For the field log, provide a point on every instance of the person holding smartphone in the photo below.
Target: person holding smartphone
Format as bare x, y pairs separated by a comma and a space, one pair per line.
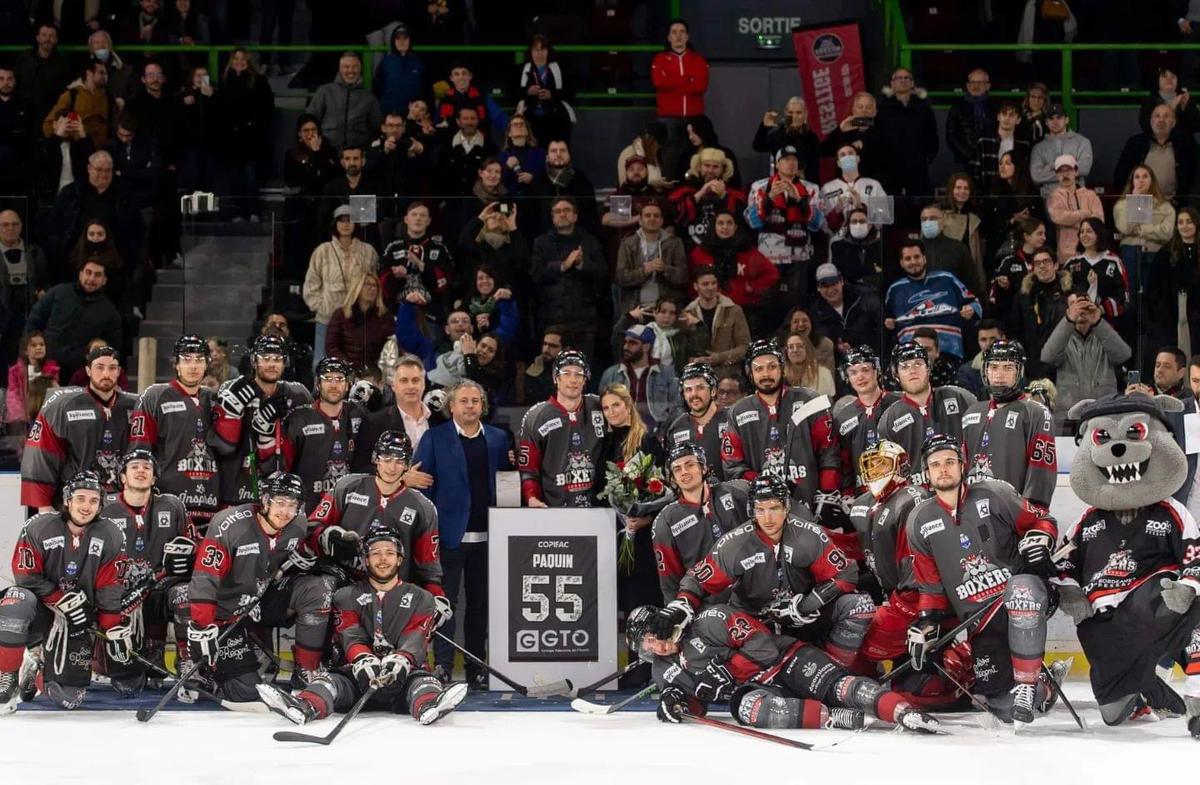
1084, 348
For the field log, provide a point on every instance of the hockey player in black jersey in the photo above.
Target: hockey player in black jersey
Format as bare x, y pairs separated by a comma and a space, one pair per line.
704, 422
856, 417
383, 624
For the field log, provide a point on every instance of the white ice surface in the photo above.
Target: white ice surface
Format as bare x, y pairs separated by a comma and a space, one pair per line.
532, 748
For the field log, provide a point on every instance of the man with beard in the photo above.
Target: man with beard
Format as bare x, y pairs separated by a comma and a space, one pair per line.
66, 570
922, 410
317, 441
539, 374
857, 416
562, 180
246, 421
78, 429
934, 299
355, 182
697, 202
172, 420
637, 187
651, 384
705, 421
571, 273
385, 649
159, 552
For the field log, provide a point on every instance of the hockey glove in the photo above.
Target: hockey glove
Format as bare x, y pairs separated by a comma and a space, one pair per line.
263, 421
831, 509
795, 610
1075, 603
672, 703
443, 610
921, 636
299, 560
394, 668
118, 643
366, 668
237, 395
1034, 550
714, 683
76, 612
178, 555
677, 615
202, 644
1177, 595
339, 544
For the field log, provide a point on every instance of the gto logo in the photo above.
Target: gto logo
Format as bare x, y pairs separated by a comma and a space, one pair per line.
534, 641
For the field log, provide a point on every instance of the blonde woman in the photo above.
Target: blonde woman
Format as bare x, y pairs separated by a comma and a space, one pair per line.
802, 369
360, 328
336, 266
960, 219
1140, 241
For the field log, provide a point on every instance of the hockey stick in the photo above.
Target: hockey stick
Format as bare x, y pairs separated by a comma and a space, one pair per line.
970, 696
288, 735
553, 689
618, 674
945, 640
1054, 685
754, 734
587, 707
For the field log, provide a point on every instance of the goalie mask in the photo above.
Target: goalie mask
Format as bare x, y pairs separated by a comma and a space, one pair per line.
882, 465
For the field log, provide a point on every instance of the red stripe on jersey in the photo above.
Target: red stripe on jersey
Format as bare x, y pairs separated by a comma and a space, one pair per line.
529, 457
203, 613
668, 561
356, 650
731, 448
228, 428
26, 560
10, 658
1031, 518
531, 489
710, 575
741, 667
345, 619
43, 437
925, 570
143, 430
417, 622
36, 494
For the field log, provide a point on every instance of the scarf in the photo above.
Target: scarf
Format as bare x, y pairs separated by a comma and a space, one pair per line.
560, 176
661, 350
979, 107
488, 195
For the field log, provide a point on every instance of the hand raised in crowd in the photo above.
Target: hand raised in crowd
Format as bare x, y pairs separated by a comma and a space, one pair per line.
770, 118
416, 298
466, 344
690, 319
638, 313
967, 312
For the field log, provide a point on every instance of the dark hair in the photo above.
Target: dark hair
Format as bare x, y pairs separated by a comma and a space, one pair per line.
1195, 361
128, 121
486, 162
29, 336
1180, 358
350, 53
925, 332
652, 203
1021, 183
306, 118
911, 243
539, 38
677, 21
459, 64
707, 269
990, 324
466, 108
350, 147
568, 200
666, 298
1103, 238
702, 124
950, 204
149, 63
1176, 244
90, 65
1008, 106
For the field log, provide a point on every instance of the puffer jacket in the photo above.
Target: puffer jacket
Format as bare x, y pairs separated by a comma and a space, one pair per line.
349, 114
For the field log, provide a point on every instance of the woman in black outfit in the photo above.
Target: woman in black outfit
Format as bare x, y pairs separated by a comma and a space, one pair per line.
306, 168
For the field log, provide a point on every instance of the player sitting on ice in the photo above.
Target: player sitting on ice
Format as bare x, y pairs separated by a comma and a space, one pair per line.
1131, 577
66, 567
384, 625
981, 546
770, 681
782, 567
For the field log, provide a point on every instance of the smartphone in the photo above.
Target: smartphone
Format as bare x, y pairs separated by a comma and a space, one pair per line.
505, 208
1133, 377
863, 122
207, 81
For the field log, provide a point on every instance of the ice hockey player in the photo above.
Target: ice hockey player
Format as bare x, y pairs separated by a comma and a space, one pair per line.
1009, 437
704, 421
782, 567
383, 624
172, 420
66, 566
359, 501
159, 552
554, 445
982, 546
1131, 578
254, 550
922, 410
770, 681
687, 528
856, 417
78, 429
317, 442
246, 416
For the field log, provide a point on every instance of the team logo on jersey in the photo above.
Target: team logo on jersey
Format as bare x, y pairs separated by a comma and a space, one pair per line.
1158, 528
247, 549
902, 422
683, 525
546, 428
313, 430
598, 424
360, 499
951, 406
984, 508
408, 515
579, 473
1021, 600
171, 407
964, 542
1010, 420
848, 425
1121, 565
164, 520
576, 440
746, 417
199, 463
727, 502
81, 414
406, 601
363, 599
981, 579
95, 546
933, 527
72, 568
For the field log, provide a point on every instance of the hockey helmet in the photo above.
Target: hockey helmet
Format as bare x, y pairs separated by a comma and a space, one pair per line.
758, 348
881, 465
393, 443
380, 532
284, 486
192, 344
683, 451
334, 365
571, 357
937, 442
138, 454
910, 350
1003, 350
698, 371
86, 480
859, 355
637, 624
768, 487
269, 345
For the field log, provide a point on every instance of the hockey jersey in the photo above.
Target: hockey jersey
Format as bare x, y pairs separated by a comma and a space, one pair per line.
907, 422
1104, 279
174, 426
381, 622
356, 504
236, 561
555, 452
1013, 443
147, 529
317, 447
794, 440
49, 561
881, 530
683, 533
684, 429
934, 301
857, 426
1111, 558
75, 431
240, 466
963, 558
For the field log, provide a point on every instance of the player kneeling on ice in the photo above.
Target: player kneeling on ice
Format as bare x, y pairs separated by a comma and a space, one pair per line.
1131, 577
384, 625
981, 546
247, 553
770, 681
67, 566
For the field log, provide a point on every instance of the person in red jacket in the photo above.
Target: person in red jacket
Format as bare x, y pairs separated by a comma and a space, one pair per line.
745, 275
680, 78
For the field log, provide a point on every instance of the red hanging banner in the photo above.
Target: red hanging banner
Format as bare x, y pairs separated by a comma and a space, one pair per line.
831, 72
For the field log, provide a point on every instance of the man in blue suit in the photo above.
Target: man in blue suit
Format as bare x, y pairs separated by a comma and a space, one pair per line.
463, 456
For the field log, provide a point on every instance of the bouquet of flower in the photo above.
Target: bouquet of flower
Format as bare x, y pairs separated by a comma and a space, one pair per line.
635, 489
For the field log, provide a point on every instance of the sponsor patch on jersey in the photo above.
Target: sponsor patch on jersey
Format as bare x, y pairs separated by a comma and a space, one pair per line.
291, 544
1010, 420
903, 421
933, 527
1158, 528
883, 517
698, 645
248, 548
170, 407
316, 429
406, 601
683, 525
360, 499
727, 502
52, 543
164, 520
95, 546
408, 515
681, 437
984, 508
750, 561
549, 426
848, 425
746, 417
1092, 532
971, 418
363, 599
788, 552
859, 510
81, 414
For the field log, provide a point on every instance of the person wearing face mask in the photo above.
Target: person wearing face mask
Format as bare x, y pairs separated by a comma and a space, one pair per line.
122, 79
849, 190
946, 253
857, 250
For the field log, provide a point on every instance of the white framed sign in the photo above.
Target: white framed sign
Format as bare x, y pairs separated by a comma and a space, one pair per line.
552, 595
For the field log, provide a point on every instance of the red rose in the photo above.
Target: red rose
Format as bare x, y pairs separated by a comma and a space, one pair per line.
655, 486
638, 482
